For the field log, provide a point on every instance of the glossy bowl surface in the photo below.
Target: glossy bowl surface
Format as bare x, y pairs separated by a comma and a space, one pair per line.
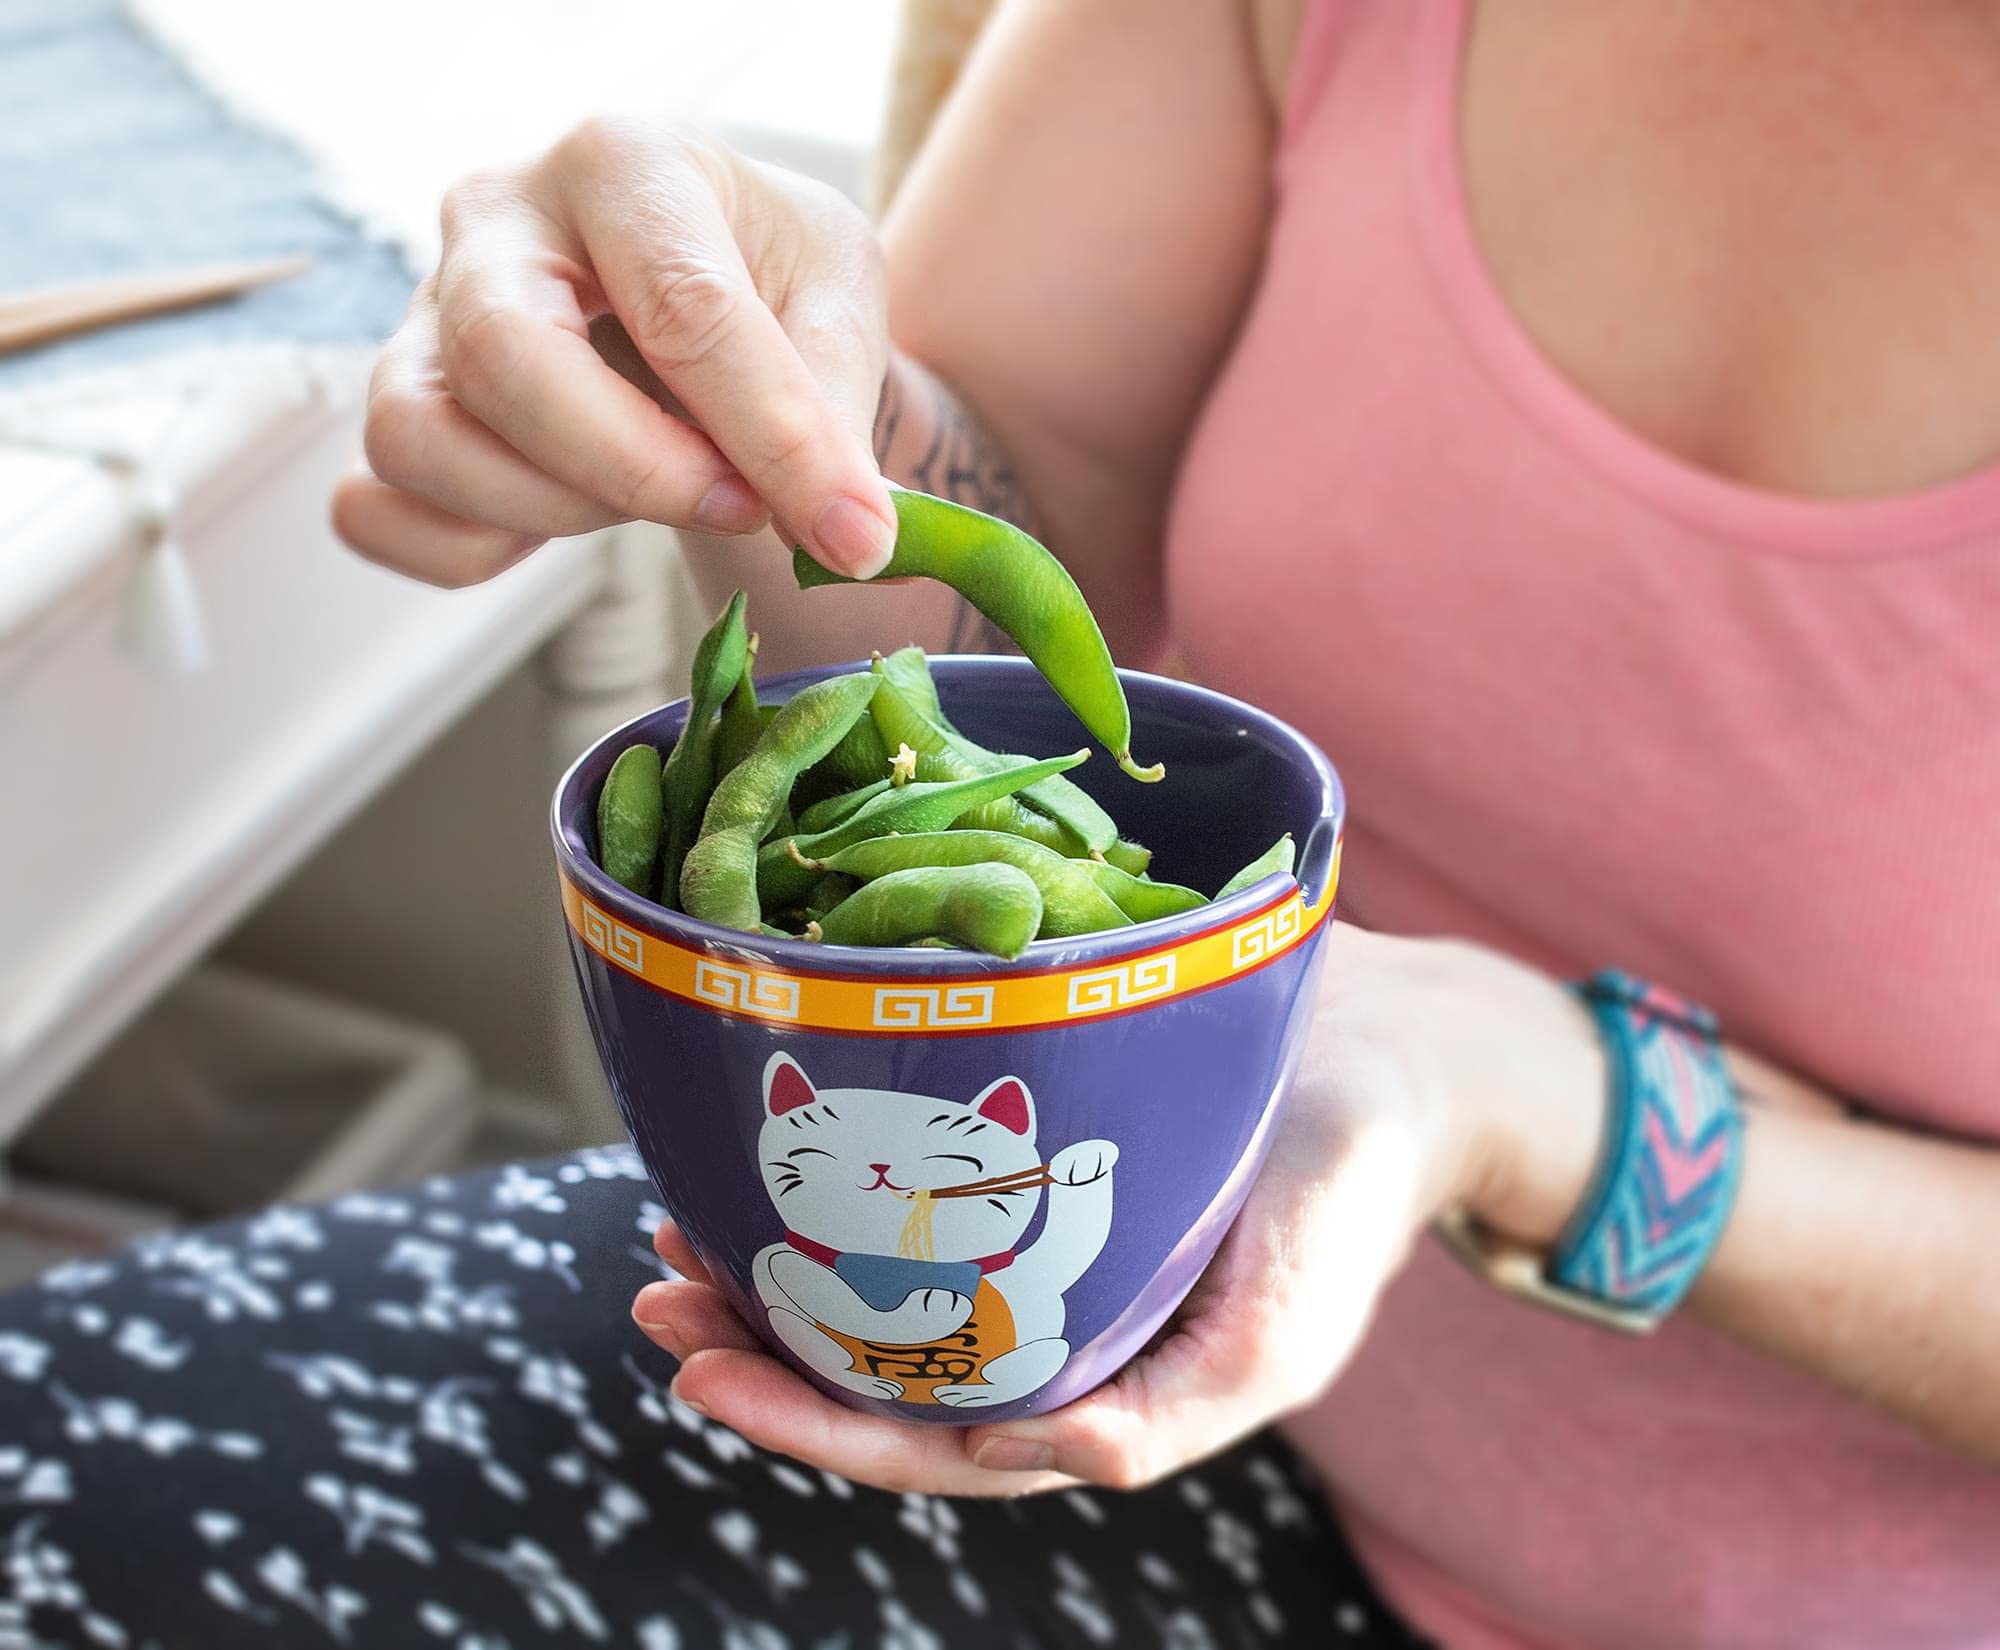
1113, 1095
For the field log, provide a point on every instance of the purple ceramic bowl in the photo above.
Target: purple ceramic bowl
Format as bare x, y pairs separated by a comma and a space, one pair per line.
1089, 1117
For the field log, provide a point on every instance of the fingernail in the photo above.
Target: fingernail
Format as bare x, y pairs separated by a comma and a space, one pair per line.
1014, 1455
853, 538
650, 1310
729, 507
674, 1389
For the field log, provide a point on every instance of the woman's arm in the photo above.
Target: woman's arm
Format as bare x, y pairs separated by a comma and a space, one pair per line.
1871, 1256
1865, 1254
1072, 253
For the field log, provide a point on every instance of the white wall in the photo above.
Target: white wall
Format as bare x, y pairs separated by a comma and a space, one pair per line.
399, 97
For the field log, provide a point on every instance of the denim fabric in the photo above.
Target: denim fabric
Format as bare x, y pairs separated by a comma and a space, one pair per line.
113, 160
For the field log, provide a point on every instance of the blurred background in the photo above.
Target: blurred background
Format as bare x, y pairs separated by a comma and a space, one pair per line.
277, 914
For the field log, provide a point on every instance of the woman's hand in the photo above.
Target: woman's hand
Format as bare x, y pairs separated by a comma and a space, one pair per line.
1382, 1130
755, 297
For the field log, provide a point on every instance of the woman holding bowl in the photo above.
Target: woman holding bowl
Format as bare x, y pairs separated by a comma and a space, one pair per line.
1584, 423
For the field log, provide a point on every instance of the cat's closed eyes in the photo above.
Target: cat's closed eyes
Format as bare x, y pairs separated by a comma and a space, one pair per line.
850, 1155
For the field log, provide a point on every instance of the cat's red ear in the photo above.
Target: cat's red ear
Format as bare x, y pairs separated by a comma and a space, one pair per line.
1009, 1104
786, 1086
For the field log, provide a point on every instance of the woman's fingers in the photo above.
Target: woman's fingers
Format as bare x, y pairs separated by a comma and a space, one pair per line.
419, 438
752, 1393
1207, 1384
672, 1246
686, 1317
414, 536
728, 1376
756, 315
514, 346
670, 265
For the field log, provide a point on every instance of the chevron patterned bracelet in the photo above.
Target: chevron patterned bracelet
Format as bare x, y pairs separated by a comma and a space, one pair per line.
1673, 1151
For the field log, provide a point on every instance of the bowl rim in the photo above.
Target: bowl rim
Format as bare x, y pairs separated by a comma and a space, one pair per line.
1320, 841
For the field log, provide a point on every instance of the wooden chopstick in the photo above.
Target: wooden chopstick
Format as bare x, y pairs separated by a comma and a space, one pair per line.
28, 318
1020, 1181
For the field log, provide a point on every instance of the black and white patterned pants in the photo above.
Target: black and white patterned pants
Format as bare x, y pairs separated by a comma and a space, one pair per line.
424, 1418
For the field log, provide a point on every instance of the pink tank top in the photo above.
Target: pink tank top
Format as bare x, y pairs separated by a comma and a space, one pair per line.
1596, 706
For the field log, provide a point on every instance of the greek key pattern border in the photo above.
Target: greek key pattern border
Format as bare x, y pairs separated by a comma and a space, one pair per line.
920, 1006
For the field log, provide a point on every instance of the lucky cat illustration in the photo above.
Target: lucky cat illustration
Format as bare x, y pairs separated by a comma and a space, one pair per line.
900, 1276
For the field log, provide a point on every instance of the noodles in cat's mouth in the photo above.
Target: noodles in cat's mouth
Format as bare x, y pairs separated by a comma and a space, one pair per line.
917, 1242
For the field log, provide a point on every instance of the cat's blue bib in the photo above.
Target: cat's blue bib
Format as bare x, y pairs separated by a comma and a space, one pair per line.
886, 1281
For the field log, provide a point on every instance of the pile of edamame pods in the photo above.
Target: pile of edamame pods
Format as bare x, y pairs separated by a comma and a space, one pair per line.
856, 814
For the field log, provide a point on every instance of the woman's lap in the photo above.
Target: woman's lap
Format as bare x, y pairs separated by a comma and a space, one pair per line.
424, 1418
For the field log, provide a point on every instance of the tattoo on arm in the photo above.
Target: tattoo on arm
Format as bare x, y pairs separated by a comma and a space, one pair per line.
925, 439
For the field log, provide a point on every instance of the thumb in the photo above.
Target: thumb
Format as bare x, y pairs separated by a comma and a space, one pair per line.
845, 350
1283, 1304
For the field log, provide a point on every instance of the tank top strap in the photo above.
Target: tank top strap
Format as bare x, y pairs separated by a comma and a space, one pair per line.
1322, 32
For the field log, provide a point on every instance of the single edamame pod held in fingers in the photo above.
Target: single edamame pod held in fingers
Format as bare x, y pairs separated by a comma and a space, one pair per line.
1072, 903
1021, 588
907, 670
992, 908
689, 775
783, 874
719, 879
1277, 857
628, 819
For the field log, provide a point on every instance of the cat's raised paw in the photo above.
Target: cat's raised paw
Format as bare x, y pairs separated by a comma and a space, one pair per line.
1083, 1163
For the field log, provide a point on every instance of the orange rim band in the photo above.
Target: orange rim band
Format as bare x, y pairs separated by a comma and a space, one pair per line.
878, 1005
